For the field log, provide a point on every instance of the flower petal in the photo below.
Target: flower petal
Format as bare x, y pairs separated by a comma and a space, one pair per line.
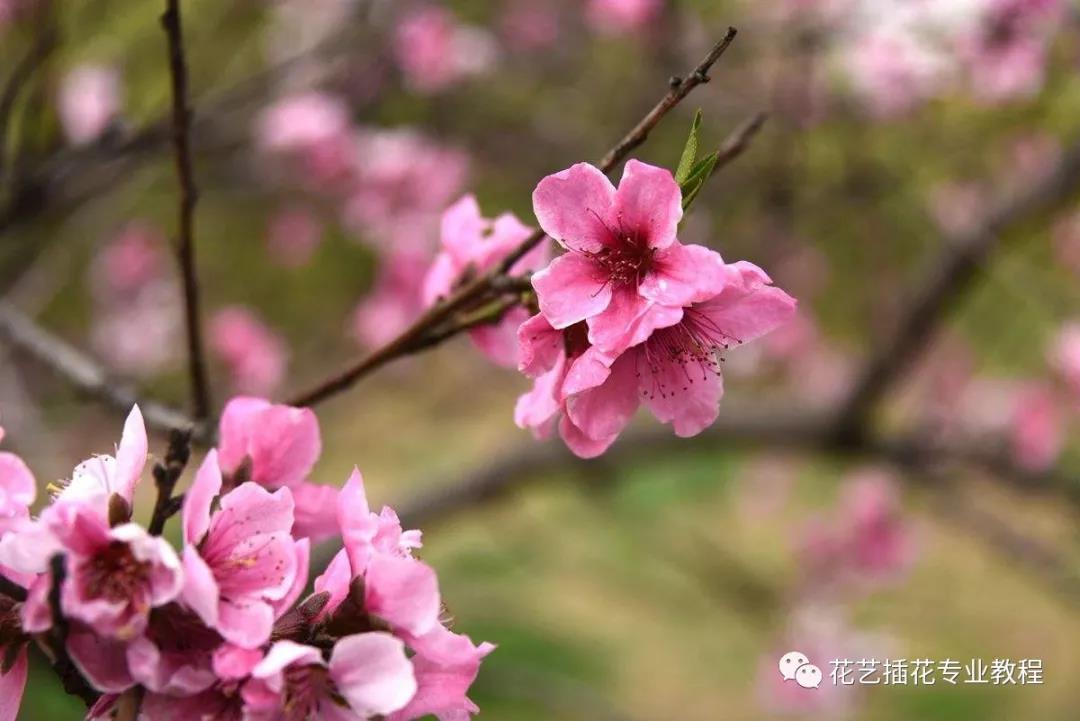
684, 274
402, 591
12, 686
687, 396
130, 455
648, 204
603, 411
373, 673
205, 487
573, 207
570, 290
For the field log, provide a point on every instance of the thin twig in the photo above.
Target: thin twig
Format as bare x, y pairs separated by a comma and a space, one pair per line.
166, 475
83, 373
56, 644
950, 276
181, 118
480, 288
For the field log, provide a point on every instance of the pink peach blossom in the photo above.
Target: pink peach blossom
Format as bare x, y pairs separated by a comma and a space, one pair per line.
130, 262
893, 69
95, 480
299, 122
241, 559
472, 245
394, 302
1037, 428
89, 100
255, 355
434, 51
625, 269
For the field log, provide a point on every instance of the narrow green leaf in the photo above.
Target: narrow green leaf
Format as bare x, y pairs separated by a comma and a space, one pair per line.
689, 153
695, 181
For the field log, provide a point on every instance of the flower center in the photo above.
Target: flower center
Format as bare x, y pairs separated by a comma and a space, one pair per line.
174, 629
115, 574
695, 345
625, 261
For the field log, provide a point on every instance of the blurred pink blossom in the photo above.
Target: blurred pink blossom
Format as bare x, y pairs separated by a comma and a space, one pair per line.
394, 302
88, 102
530, 24
141, 335
622, 16
255, 356
471, 245
1037, 427
1006, 54
434, 51
293, 236
135, 258
298, 122
894, 69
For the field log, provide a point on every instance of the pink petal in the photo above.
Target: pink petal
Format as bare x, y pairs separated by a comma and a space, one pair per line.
238, 421
461, 229
536, 408
540, 346
232, 663
197, 501
131, 454
748, 307
648, 204
335, 581
579, 443
603, 411
439, 280
316, 511
446, 664
102, 661
684, 274
498, 342
570, 290
201, 592
358, 525
373, 673
303, 565
402, 591
629, 320
688, 397
284, 654
247, 625
573, 207
18, 485
12, 685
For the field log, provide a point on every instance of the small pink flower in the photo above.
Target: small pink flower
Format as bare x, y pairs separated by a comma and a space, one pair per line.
293, 236
446, 665
255, 355
879, 543
472, 245
434, 51
301, 122
624, 268
89, 99
893, 70
368, 674
241, 559
1037, 428
623, 16
95, 480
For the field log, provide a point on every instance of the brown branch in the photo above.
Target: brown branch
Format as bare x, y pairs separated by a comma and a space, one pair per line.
85, 374
950, 276
165, 477
481, 288
181, 119
11, 589
54, 642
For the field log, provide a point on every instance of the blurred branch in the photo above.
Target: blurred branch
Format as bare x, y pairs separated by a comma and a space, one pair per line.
81, 371
950, 276
481, 289
181, 119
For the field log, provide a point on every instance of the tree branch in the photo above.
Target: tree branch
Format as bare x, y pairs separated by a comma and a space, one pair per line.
181, 119
950, 276
84, 373
480, 289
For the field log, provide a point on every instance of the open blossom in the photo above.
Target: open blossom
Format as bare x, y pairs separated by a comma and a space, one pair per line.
472, 245
895, 68
674, 370
89, 99
624, 267
395, 301
277, 446
240, 560
1006, 52
402, 592
255, 356
97, 479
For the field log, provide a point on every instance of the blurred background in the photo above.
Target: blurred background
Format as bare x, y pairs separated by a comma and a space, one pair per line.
665, 579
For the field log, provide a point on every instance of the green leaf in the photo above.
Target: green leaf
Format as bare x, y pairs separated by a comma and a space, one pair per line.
689, 153
697, 177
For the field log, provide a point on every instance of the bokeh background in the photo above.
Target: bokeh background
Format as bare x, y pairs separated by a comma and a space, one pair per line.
664, 580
